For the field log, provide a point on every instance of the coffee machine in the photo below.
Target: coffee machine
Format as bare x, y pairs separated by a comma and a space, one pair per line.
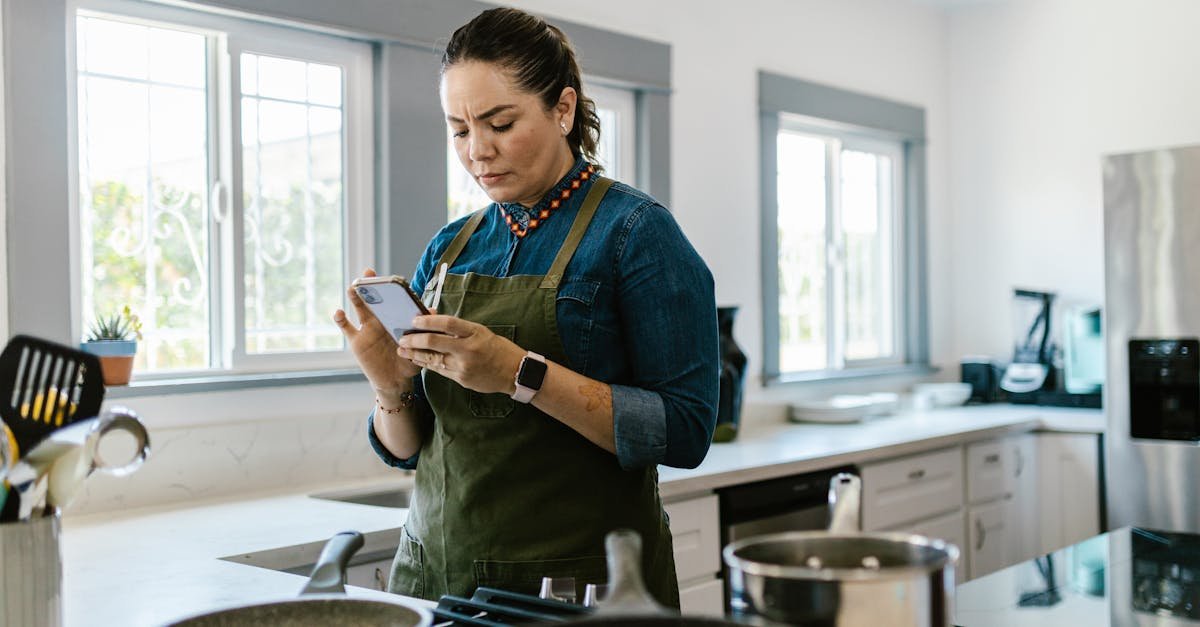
1030, 369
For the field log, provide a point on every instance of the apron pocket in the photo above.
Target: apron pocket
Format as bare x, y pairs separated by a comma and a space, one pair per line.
526, 576
495, 405
408, 567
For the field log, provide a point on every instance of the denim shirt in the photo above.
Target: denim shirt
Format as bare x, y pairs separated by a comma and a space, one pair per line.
636, 309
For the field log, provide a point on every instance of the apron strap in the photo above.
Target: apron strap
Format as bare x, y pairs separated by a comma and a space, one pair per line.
582, 220
460, 240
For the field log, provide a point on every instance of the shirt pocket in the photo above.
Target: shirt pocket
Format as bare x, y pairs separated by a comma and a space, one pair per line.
495, 404
575, 306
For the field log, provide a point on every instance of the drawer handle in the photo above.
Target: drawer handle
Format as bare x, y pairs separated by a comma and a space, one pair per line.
380, 579
980, 532
916, 474
992, 459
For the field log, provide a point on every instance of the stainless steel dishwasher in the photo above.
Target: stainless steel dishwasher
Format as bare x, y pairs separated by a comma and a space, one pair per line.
792, 503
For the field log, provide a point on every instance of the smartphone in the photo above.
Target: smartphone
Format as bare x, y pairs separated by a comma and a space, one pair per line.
392, 301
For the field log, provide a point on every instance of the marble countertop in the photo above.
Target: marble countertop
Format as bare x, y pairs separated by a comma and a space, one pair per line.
151, 566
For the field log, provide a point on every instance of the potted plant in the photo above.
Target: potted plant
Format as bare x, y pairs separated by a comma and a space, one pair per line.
113, 338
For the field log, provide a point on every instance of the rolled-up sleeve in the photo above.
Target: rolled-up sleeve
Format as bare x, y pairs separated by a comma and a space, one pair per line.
667, 413
383, 452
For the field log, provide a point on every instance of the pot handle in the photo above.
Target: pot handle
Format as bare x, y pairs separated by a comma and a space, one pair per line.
329, 574
845, 495
627, 592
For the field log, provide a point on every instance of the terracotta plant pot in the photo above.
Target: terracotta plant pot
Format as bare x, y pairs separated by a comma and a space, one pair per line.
116, 359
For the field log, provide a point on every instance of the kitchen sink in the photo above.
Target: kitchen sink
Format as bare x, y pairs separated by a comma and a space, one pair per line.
367, 568
391, 496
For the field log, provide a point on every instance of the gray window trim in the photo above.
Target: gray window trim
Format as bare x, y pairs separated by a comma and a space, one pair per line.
411, 197
873, 115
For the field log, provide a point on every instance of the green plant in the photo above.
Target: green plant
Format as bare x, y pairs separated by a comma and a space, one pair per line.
123, 325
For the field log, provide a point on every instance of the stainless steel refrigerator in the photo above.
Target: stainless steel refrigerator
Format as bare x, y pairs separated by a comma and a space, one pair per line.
1152, 320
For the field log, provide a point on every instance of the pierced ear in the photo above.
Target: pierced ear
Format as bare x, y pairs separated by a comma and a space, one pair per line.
566, 108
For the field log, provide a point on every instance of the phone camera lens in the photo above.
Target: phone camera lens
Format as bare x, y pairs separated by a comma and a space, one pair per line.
370, 295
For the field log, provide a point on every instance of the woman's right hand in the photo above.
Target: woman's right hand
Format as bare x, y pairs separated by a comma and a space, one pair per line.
375, 349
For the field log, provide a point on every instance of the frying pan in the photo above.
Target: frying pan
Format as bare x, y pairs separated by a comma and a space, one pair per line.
322, 601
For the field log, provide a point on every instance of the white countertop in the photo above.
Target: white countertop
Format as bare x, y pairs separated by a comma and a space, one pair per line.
147, 567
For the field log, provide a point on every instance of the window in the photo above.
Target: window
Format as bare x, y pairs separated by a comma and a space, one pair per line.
838, 202
843, 280
225, 186
616, 152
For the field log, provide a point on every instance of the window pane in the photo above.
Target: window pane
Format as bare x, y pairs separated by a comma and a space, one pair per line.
802, 265
607, 152
143, 167
463, 194
294, 208
866, 210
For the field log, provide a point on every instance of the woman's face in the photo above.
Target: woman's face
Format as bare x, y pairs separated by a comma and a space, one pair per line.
514, 148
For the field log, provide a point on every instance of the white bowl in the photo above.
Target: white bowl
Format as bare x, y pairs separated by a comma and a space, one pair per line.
944, 394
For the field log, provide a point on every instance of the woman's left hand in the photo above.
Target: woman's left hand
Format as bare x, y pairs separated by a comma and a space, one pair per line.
464, 351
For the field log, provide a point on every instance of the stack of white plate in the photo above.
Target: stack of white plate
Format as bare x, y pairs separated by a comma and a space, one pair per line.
843, 408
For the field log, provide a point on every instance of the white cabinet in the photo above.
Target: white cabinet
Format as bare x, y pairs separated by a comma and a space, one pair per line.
1001, 502
949, 528
991, 537
696, 535
1069, 503
911, 488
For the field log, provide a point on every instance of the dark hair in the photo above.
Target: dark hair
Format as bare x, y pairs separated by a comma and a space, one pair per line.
540, 59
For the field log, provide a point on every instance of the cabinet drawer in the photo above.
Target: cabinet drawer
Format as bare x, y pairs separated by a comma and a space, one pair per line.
911, 488
987, 475
704, 598
949, 528
695, 532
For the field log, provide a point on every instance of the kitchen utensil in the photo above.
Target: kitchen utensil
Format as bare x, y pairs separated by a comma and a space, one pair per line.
82, 452
841, 576
58, 465
321, 601
44, 385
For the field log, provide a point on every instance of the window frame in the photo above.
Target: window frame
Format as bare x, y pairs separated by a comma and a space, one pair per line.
226, 246
851, 120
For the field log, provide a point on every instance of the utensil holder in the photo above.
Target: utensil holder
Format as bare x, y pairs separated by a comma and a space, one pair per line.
31, 572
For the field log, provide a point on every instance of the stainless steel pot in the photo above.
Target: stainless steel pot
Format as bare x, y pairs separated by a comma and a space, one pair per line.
842, 577
322, 601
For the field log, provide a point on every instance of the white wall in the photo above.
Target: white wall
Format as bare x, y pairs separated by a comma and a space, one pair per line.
895, 50
1039, 90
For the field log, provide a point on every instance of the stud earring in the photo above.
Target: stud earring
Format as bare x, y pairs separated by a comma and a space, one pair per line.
563, 126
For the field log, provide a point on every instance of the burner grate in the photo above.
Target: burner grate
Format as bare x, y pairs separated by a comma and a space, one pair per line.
490, 607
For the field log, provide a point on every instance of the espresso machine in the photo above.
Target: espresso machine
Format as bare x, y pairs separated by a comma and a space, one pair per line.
1030, 369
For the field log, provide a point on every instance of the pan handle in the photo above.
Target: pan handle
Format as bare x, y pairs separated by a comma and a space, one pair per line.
845, 495
329, 575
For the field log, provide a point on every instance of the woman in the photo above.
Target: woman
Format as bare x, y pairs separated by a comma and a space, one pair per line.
574, 350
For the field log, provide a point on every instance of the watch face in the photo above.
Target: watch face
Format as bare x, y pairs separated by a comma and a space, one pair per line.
532, 373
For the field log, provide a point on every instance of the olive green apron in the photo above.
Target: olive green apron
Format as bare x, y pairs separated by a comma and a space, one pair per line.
505, 494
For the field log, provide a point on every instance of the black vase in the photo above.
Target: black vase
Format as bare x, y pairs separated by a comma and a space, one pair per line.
733, 373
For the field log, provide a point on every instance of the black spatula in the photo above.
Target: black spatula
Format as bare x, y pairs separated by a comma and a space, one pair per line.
44, 385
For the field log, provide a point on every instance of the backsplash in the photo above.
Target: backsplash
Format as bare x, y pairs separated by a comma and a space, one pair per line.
268, 453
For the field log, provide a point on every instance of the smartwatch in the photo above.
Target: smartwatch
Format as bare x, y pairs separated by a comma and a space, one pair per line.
529, 377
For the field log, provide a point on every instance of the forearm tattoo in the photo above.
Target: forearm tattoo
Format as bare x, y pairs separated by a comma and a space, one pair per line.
598, 395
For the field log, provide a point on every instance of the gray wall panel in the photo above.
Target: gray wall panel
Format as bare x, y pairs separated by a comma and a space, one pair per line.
783, 93
412, 132
38, 186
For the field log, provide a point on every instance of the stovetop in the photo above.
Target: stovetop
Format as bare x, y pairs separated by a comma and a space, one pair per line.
1130, 576
491, 607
